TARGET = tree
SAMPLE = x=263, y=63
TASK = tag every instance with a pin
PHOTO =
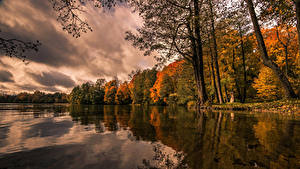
x=186, y=88
x=215, y=53
x=166, y=82
x=123, y=94
x=267, y=85
x=172, y=28
x=289, y=92
x=111, y=88
x=98, y=92
x=140, y=86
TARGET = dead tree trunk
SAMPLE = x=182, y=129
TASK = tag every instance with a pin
x=289, y=92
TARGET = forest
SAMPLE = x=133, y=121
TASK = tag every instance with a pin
x=175, y=83
x=226, y=51
x=36, y=97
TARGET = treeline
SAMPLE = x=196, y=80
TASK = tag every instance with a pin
x=242, y=79
x=36, y=97
x=173, y=84
x=246, y=48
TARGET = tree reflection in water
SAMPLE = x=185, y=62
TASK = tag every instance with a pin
x=202, y=139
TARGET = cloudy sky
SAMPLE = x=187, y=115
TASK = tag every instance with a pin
x=63, y=61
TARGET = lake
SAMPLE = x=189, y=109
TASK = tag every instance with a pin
x=42, y=136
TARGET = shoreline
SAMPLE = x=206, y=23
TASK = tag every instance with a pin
x=286, y=106
x=281, y=106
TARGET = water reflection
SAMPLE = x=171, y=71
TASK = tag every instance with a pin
x=146, y=137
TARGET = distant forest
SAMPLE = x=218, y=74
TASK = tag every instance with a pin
x=36, y=97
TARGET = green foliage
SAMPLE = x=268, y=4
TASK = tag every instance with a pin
x=88, y=93
x=186, y=85
x=141, y=84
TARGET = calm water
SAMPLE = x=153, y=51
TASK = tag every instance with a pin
x=136, y=137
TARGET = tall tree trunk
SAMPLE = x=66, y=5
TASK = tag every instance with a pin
x=244, y=67
x=213, y=70
x=215, y=47
x=289, y=92
x=198, y=59
x=297, y=4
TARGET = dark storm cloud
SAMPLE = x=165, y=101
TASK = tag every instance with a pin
x=30, y=87
x=56, y=50
x=6, y=76
x=53, y=79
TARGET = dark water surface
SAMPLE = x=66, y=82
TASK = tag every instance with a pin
x=137, y=137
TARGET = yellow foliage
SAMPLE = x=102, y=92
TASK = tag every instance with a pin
x=267, y=84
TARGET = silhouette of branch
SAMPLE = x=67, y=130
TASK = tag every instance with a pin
x=68, y=12
x=17, y=48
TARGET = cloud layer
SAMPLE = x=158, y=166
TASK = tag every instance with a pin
x=63, y=61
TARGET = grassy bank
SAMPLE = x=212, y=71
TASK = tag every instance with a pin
x=281, y=106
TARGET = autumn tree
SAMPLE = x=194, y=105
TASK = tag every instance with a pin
x=289, y=92
x=267, y=86
x=166, y=82
x=173, y=28
x=123, y=94
x=111, y=88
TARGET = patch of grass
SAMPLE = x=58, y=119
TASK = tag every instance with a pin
x=280, y=106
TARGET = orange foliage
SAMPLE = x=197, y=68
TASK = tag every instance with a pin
x=171, y=70
x=110, y=91
x=275, y=46
x=123, y=94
